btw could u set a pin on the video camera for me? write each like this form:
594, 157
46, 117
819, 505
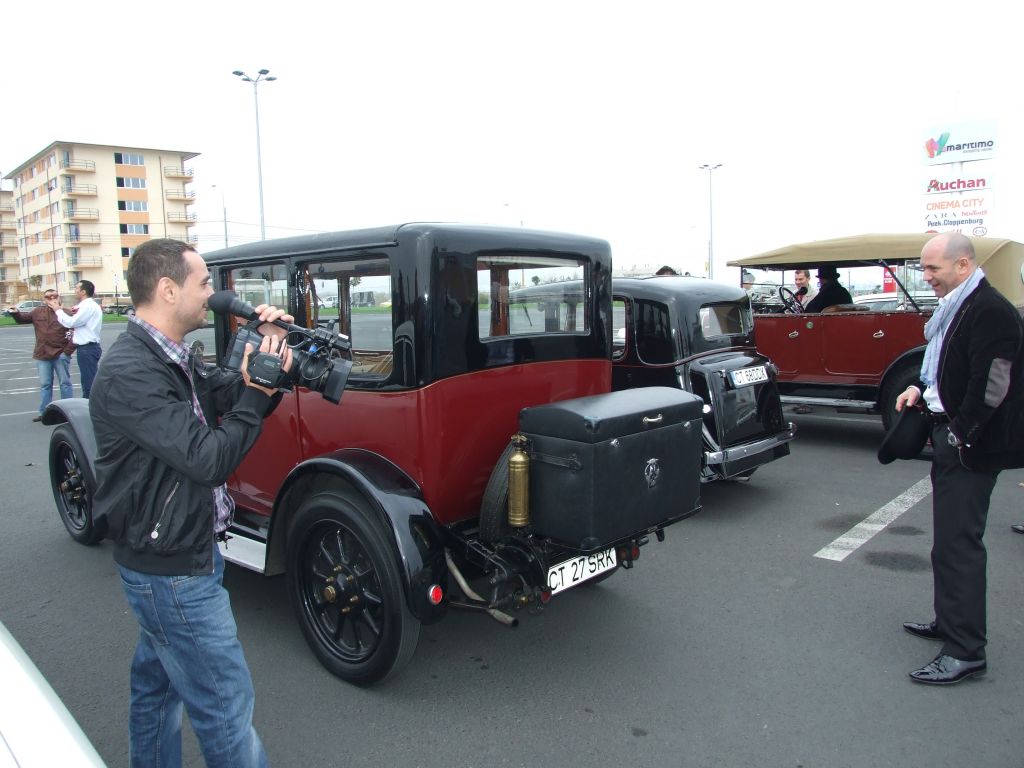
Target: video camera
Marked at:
321, 360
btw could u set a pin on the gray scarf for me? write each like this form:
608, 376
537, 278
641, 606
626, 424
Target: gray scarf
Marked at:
935, 328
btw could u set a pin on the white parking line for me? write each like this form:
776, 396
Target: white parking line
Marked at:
863, 531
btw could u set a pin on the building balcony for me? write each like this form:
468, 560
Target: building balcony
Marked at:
6, 208
84, 238
171, 172
8, 260
190, 239
83, 214
79, 190
180, 194
181, 218
78, 165
7, 224
8, 241
85, 262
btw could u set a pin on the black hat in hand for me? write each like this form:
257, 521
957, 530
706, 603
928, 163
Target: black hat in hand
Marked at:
907, 436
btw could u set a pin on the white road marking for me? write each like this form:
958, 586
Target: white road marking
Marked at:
863, 531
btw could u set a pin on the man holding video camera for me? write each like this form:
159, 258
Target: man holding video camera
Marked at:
170, 430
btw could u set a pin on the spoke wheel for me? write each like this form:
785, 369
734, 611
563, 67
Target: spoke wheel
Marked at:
345, 585
73, 484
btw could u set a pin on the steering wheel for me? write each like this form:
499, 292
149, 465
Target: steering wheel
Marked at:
790, 301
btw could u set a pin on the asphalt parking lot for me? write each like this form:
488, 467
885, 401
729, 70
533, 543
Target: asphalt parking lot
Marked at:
736, 642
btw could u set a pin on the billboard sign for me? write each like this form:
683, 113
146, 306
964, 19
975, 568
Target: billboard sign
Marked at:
960, 142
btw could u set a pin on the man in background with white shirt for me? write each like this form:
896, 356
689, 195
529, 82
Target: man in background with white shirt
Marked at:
87, 323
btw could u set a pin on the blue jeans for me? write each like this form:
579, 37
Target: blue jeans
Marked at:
188, 652
88, 356
47, 369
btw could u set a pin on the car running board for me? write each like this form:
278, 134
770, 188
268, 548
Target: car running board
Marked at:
243, 551
837, 402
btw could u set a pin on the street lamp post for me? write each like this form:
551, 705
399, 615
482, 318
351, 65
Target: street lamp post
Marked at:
711, 220
260, 77
223, 211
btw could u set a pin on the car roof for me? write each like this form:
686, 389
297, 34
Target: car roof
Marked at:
693, 290
482, 236
1002, 259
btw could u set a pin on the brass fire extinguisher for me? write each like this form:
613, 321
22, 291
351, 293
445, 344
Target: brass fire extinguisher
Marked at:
518, 484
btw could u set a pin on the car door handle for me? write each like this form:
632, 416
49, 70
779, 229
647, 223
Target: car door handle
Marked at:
794, 334
653, 419
878, 334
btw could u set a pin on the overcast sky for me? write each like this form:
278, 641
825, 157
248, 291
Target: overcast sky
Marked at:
588, 117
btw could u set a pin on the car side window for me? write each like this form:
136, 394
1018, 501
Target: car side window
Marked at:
352, 296
258, 284
620, 319
655, 341
529, 296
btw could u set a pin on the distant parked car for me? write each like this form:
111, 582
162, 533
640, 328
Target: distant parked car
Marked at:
894, 302
20, 312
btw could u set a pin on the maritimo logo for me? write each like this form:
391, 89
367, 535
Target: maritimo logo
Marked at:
935, 148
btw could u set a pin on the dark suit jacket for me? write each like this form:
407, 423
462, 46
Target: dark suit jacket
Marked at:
831, 293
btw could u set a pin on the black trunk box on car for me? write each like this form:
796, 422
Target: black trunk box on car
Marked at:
607, 467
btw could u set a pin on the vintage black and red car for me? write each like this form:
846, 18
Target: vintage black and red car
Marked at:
476, 456
850, 356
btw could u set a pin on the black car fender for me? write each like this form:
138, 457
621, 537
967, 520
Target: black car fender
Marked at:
74, 411
398, 503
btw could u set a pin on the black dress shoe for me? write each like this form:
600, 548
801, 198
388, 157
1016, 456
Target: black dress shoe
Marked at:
945, 670
1017, 528
927, 631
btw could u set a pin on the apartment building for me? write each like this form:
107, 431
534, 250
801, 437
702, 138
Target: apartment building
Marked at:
78, 211
9, 277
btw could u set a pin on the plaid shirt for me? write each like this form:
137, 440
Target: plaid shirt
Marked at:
182, 355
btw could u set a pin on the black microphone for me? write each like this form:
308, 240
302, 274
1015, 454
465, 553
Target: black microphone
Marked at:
228, 303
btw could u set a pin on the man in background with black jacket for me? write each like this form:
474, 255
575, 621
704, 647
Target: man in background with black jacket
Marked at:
971, 385
830, 291
170, 430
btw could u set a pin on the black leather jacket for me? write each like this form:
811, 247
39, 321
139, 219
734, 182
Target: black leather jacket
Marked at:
157, 464
980, 379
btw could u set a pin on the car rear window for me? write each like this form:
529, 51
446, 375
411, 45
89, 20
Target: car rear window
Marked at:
728, 319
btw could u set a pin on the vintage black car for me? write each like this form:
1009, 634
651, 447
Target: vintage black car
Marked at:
698, 335
691, 334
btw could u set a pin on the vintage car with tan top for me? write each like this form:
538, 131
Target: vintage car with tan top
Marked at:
850, 356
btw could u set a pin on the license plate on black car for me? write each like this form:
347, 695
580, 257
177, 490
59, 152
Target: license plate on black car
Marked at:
746, 376
572, 572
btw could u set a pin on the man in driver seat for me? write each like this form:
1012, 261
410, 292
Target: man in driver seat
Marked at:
830, 292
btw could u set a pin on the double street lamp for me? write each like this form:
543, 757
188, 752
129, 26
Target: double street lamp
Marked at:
711, 220
260, 77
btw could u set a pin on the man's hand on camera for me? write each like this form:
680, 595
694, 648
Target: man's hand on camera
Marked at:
268, 314
271, 345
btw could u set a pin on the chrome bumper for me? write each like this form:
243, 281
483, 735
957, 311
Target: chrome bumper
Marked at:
712, 458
